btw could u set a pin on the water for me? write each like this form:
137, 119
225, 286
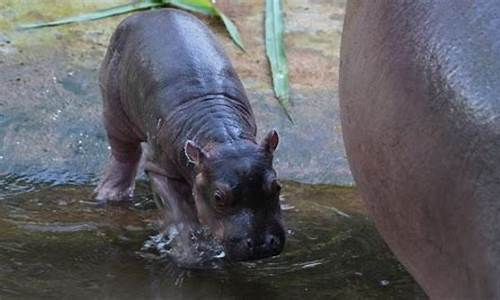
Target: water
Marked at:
56, 243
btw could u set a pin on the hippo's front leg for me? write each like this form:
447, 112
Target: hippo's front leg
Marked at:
176, 195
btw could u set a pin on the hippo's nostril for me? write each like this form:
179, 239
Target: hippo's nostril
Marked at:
249, 243
272, 242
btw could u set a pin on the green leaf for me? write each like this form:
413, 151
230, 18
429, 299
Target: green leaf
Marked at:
99, 14
200, 6
275, 51
206, 7
231, 28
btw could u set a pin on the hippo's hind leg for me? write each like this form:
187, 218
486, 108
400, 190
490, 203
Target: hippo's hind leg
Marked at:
118, 181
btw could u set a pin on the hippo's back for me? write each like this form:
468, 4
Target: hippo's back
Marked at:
169, 54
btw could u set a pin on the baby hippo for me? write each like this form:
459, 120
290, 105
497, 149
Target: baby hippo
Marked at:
166, 82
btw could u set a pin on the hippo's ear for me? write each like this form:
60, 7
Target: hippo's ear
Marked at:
194, 153
270, 142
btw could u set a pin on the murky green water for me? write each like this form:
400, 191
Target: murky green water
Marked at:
55, 243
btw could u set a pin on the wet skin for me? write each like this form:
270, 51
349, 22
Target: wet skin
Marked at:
167, 83
419, 95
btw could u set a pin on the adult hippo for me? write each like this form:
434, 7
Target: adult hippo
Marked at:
420, 103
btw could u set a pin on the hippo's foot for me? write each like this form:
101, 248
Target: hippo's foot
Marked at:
118, 182
109, 192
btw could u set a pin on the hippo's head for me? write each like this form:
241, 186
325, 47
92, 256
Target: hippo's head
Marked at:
237, 196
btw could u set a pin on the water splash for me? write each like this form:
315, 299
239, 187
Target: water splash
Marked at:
191, 249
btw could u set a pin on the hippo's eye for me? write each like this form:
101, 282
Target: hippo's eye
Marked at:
219, 199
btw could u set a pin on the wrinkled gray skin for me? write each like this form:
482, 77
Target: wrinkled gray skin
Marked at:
167, 82
420, 104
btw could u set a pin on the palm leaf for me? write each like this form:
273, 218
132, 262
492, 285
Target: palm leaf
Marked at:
199, 6
208, 8
231, 28
99, 14
275, 50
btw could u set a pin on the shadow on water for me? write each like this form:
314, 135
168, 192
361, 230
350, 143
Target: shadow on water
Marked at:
55, 243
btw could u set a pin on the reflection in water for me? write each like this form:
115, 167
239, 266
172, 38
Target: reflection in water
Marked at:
54, 242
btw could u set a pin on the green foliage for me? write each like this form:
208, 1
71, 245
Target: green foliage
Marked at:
206, 7
200, 6
231, 28
99, 14
275, 50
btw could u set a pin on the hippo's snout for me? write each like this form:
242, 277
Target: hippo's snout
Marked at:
271, 244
